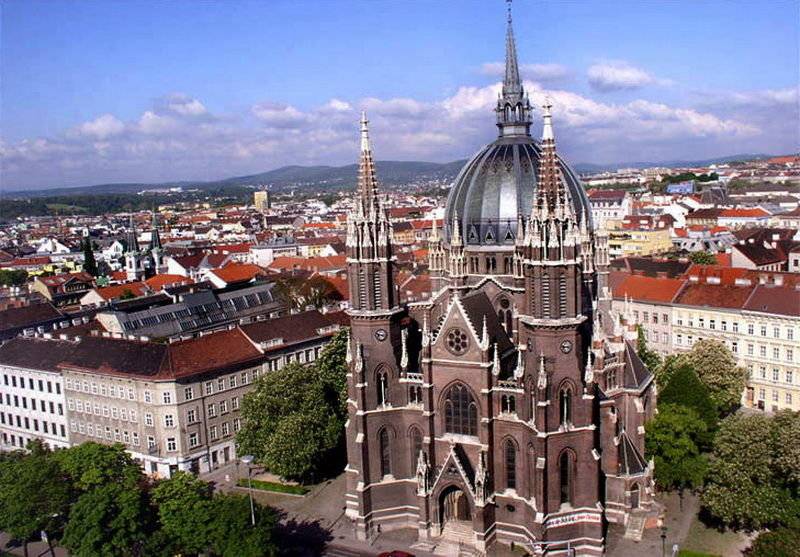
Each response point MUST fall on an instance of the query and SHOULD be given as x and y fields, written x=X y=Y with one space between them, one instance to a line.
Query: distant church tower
x=156 y=249
x=134 y=265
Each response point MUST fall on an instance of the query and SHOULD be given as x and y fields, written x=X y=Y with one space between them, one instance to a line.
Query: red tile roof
x=744 y=213
x=157 y=282
x=648 y=289
x=116 y=290
x=714 y=295
x=238 y=272
x=209 y=352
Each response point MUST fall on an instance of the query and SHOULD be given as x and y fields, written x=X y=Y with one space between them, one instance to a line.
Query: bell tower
x=376 y=345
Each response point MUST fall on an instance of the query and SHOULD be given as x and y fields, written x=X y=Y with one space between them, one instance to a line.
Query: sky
x=148 y=91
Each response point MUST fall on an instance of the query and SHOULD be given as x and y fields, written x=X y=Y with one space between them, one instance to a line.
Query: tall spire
x=367 y=180
x=513 y=108
x=155 y=239
x=133 y=240
x=511 y=84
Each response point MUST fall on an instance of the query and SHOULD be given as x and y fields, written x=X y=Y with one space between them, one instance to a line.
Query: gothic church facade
x=511 y=405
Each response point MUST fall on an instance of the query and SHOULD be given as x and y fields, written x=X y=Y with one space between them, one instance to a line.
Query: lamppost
x=663 y=541
x=248 y=460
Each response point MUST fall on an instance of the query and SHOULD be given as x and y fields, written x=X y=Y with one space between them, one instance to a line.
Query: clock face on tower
x=380 y=335
x=566 y=346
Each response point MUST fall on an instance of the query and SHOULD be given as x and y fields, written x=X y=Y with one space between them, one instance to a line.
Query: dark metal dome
x=498 y=184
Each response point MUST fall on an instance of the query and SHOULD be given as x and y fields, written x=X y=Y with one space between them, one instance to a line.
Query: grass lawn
x=708 y=542
x=274 y=486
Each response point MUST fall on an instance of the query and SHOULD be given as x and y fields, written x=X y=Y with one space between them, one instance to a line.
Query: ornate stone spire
x=367 y=179
x=549 y=177
x=513 y=107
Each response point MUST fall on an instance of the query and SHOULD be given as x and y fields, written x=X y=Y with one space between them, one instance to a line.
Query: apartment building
x=32 y=401
x=638 y=242
x=755 y=313
x=174 y=405
x=649 y=301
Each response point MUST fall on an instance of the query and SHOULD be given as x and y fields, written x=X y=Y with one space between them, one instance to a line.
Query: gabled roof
x=477 y=306
x=631 y=462
x=636 y=373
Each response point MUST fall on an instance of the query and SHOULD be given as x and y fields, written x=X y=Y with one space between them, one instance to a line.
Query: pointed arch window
x=565 y=478
x=382 y=384
x=386 y=462
x=511 y=464
x=415 y=394
x=565 y=406
x=415 y=442
x=460 y=411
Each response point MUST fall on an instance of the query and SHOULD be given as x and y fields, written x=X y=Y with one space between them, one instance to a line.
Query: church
x=510 y=406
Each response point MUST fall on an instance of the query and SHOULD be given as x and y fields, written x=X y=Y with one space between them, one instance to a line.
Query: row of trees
x=745 y=466
x=293 y=421
x=97 y=501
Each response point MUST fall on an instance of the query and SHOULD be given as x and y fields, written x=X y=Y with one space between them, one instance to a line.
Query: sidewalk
x=35 y=549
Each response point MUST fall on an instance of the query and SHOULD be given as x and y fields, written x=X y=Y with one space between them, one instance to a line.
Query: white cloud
x=617 y=75
x=102 y=127
x=172 y=140
x=279 y=115
x=184 y=105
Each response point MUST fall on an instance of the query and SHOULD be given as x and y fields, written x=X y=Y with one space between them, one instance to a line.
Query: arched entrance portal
x=455 y=507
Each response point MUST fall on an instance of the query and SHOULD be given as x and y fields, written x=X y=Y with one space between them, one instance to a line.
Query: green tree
x=293 y=421
x=746 y=489
x=685 y=389
x=91 y=465
x=786 y=447
x=127 y=294
x=674 y=441
x=110 y=519
x=782 y=542
x=648 y=356
x=34 y=494
x=184 y=511
x=231 y=531
x=13 y=277
x=702 y=258
x=717 y=369
x=89 y=262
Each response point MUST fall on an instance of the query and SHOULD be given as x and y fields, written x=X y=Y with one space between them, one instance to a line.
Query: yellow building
x=622 y=242
x=261 y=200
x=760 y=323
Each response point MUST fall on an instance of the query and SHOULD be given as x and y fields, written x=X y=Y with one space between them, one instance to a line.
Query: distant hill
x=334 y=177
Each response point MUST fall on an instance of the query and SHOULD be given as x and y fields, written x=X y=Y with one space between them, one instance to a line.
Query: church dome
x=500 y=182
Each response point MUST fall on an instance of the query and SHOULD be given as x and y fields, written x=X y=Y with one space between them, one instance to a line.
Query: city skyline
x=229 y=89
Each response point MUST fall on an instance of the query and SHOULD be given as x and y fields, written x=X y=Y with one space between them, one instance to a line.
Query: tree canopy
x=293 y=421
x=702 y=258
x=752 y=479
x=716 y=367
x=674 y=439
x=97 y=501
x=685 y=389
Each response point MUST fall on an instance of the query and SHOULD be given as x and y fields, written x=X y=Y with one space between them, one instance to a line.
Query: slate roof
x=25 y=316
x=636 y=373
x=631 y=462
x=35 y=353
x=477 y=305
x=291 y=328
